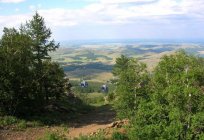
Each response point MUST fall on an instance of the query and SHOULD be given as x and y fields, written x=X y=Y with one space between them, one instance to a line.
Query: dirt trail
x=100 y=118
x=84 y=124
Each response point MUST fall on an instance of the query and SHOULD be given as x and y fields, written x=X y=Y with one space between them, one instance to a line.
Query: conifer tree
x=41 y=46
x=28 y=77
x=15 y=61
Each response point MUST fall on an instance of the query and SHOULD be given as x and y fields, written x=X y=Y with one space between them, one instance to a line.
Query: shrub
x=119 y=136
x=8 y=120
x=22 y=125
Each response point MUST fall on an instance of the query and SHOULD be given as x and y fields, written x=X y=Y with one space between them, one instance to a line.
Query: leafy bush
x=8 y=120
x=111 y=96
x=172 y=107
x=131 y=85
x=22 y=125
x=119 y=136
x=92 y=98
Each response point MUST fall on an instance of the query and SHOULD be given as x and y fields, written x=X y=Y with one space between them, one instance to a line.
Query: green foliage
x=93 y=87
x=119 y=136
x=60 y=112
x=174 y=109
x=22 y=125
x=41 y=46
x=28 y=77
x=16 y=123
x=131 y=85
x=16 y=61
x=8 y=120
x=111 y=96
x=92 y=98
x=90 y=56
x=53 y=80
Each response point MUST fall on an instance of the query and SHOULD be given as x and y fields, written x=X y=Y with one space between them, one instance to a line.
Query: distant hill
x=93 y=59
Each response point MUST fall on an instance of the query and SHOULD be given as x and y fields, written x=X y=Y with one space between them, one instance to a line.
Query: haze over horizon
x=110 y=19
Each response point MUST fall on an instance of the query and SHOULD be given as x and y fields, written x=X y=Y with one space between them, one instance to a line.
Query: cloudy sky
x=110 y=19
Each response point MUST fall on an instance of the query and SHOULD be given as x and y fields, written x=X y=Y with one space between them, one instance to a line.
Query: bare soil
x=85 y=124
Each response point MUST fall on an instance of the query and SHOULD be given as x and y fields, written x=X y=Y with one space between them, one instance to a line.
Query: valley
x=94 y=61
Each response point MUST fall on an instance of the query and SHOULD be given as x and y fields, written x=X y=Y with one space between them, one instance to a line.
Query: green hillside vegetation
x=164 y=104
x=92 y=88
x=92 y=61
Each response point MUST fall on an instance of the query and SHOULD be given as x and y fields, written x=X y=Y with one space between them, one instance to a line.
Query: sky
x=110 y=19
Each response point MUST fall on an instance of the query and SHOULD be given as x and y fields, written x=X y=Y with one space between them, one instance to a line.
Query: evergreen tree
x=16 y=61
x=53 y=81
x=41 y=46
x=28 y=78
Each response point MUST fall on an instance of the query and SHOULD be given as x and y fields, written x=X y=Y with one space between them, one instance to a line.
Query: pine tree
x=28 y=78
x=41 y=46
x=16 y=61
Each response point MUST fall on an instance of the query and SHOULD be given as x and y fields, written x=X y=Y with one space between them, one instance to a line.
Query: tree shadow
x=71 y=112
x=61 y=112
x=101 y=115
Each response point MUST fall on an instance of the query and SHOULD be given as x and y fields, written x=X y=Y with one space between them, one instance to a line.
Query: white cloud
x=35 y=7
x=11 y=21
x=124 y=1
x=11 y=1
x=114 y=12
x=60 y=17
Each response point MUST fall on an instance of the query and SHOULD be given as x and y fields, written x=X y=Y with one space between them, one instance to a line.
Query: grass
x=16 y=123
x=56 y=121
x=99 y=136
x=119 y=136
x=62 y=112
x=58 y=113
x=95 y=98
x=93 y=86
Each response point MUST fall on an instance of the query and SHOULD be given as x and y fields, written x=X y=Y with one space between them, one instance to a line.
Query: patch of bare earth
x=100 y=118
x=85 y=124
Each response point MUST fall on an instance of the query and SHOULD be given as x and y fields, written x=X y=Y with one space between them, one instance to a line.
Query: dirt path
x=84 y=124
x=100 y=118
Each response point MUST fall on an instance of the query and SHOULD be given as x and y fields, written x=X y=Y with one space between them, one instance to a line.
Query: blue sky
x=110 y=19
